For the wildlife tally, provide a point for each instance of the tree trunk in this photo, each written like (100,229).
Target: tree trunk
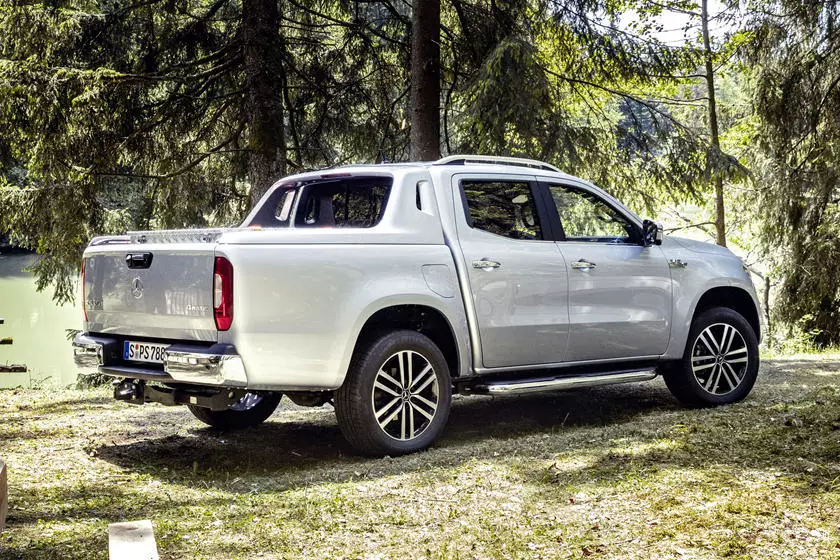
(262,52)
(425,81)
(720,218)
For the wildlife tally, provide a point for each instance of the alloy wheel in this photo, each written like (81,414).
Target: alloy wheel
(719,358)
(405,395)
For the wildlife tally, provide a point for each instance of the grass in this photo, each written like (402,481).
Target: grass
(615,472)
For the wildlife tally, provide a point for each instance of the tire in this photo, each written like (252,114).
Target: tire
(708,375)
(413,407)
(250,410)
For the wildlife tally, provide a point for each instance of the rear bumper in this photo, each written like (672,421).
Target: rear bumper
(216,364)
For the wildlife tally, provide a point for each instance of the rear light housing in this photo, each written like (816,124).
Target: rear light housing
(84,303)
(223,293)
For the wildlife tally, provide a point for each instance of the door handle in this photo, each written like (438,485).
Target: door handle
(486,264)
(139,260)
(583,265)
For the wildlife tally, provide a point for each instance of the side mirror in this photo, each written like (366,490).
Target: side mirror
(651,233)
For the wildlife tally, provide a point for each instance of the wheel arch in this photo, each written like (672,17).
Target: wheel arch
(420,317)
(732,297)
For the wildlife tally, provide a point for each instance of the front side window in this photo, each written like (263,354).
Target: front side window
(585,217)
(503,208)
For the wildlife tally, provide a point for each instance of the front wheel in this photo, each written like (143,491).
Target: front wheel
(397,395)
(720,364)
(252,409)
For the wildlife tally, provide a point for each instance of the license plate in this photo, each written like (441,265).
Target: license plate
(144,351)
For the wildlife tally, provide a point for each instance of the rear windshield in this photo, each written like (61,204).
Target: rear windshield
(352,202)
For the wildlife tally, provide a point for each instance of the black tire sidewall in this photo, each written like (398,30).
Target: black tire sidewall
(354,409)
(688,387)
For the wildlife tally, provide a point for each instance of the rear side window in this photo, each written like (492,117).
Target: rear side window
(346,202)
(358,203)
(503,208)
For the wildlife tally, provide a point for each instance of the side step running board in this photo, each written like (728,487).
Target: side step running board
(557,383)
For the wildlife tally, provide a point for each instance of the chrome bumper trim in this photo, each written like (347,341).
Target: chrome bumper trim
(87,354)
(205,368)
(218,364)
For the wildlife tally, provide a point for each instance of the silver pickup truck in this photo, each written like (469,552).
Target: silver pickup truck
(384,289)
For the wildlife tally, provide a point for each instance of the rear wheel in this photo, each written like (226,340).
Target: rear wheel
(252,409)
(397,395)
(720,364)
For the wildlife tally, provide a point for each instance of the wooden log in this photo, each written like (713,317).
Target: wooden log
(4,496)
(132,540)
(6,340)
(12,368)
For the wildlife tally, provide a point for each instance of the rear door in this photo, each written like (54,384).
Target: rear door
(517,278)
(619,290)
(154,290)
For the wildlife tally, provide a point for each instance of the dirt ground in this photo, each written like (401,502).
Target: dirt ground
(614,472)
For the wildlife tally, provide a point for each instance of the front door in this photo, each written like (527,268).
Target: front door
(518,279)
(619,290)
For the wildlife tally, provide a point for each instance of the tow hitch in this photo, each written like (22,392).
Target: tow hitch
(137,392)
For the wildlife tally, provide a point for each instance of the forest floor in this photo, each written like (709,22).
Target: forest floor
(615,472)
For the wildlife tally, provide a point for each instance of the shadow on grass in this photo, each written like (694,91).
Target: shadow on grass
(298,452)
(623,432)
(294,452)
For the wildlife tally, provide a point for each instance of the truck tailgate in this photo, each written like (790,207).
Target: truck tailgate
(151,290)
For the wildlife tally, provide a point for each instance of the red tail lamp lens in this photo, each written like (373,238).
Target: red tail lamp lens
(223,293)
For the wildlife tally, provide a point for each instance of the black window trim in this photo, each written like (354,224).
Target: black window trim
(547,225)
(557,223)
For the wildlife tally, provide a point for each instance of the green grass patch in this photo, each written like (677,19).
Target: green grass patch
(615,472)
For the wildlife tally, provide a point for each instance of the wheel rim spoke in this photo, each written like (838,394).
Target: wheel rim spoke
(713,377)
(733,381)
(382,411)
(426,401)
(410,419)
(736,352)
(704,366)
(405,395)
(719,358)
(393,415)
(400,358)
(402,421)
(425,384)
(724,348)
(421,375)
(710,342)
(381,386)
(421,411)
(394,383)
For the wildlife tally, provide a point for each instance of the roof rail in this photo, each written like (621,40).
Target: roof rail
(498,160)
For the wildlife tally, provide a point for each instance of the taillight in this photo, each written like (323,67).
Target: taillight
(223,293)
(84,303)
